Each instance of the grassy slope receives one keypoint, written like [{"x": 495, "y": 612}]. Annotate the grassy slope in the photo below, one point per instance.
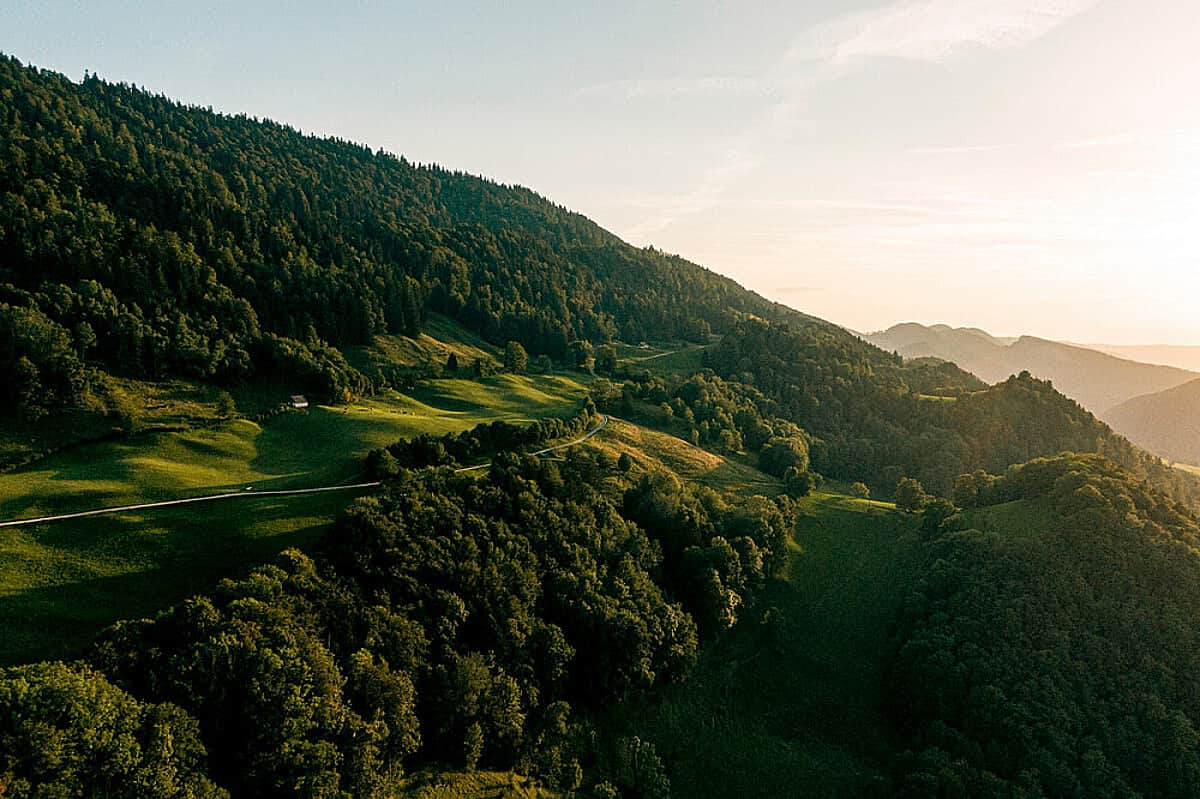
[
  {"x": 62, "y": 582},
  {"x": 1014, "y": 519},
  {"x": 670, "y": 359},
  {"x": 323, "y": 446},
  {"x": 767, "y": 714},
  {"x": 789, "y": 709},
  {"x": 792, "y": 710},
  {"x": 166, "y": 404},
  {"x": 653, "y": 449},
  {"x": 441, "y": 337},
  {"x": 472, "y": 785}
]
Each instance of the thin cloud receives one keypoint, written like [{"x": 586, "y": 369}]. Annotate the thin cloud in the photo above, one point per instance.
[
  {"x": 1178, "y": 137},
  {"x": 920, "y": 30},
  {"x": 964, "y": 149},
  {"x": 933, "y": 30}
]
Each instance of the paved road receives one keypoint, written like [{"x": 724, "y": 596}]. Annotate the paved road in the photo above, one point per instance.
[{"x": 283, "y": 493}]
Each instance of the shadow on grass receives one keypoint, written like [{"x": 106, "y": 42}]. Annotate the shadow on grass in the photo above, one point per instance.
[
  {"x": 83, "y": 575},
  {"x": 792, "y": 708}
]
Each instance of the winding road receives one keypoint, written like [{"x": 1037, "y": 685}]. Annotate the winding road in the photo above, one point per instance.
[{"x": 282, "y": 493}]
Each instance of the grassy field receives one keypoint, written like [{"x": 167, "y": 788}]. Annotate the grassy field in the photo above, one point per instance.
[
  {"x": 322, "y": 446},
  {"x": 657, "y": 450},
  {"x": 664, "y": 358},
  {"x": 473, "y": 785},
  {"x": 147, "y": 406},
  {"x": 790, "y": 709},
  {"x": 62, "y": 582},
  {"x": 1024, "y": 517},
  {"x": 441, "y": 337}
]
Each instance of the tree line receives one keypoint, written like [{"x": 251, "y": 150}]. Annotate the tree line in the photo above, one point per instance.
[
  {"x": 1051, "y": 650},
  {"x": 151, "y": 238},
  {"x": 450, "y": 620},
  {"x": 871, "y": 416}
]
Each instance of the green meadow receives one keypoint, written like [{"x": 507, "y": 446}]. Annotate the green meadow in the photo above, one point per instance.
[
  {"x": 62, "y": 582},
  {"x": 321, "y": 446},
  {"x": 473, "y": 785},
  {"x": 664, "y": 358},
  {"x": 789, "y": 706}
]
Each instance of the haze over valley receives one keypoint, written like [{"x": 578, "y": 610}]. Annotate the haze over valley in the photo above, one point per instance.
[{"x": 1155, "y": 406}]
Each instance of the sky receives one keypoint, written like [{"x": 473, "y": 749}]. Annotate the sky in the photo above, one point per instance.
[{"x": 1024, "y": 166}]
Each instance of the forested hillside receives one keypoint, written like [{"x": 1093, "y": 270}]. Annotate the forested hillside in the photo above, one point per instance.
[
  {"x": 451, "y": 620},
  {"x": 155, "y": 238},
  {"x": 499, "y": 618},
  {"x": 1167, "y": 422},
  {"x": 1051, "y": 649},
  {"x": 1097, "y": 380},
  {"x": 877, "y": 418},
  {"x": 151, "y": 239}
]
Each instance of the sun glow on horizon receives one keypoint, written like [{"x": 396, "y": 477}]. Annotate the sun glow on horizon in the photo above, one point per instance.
[{"x": 1021, "y": 165}]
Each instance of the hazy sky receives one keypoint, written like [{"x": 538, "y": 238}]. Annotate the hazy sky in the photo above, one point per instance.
[{"x": 1026, "y": 166}]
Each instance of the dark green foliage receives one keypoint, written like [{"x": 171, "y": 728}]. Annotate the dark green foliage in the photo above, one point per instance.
[
  {"x": 780, "y": 454},
  {"x": 581, "y": 353},
  {"x": 639, "y": 770},
  {"x": 155, "y": 239},
  {"x": 798, "y": 483},
  {"x": 973, "y": 490},
  {"x": 870, "y": 415},
  {"x": 938, "y": 516},
  {"x": 1055, "y": 656},
  {"x": 910, "y": 495},
  {"x": 606, "y": 359},
  {"x": 39, "y": 363},
  {"x": 515, "y": 358},
  {"x": 67, "y": 732},
  {"x": 716, "y": 557},
  {"x": 470, "y": 446},
  {"x": 454, "y": 620},
  {"x": 724, "y": 416}
]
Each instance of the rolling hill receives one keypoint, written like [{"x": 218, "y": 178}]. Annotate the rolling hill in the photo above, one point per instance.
[
  {"x": 1166, "y": 422},
  {"x": 699, "y": 594},
  {"x": 1097, "y": 380}
]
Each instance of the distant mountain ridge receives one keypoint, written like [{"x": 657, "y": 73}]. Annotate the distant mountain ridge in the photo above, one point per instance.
[
  {"x": 1097, "y": 380},
  {"x": 1179, "y": 355},
  {"x": 1166, "y": 422}
]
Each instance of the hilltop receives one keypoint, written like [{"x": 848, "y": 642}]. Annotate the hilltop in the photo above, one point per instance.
[
  {"x": 1097, "y": 380},
  {"x": 1167, "y": 422}
]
